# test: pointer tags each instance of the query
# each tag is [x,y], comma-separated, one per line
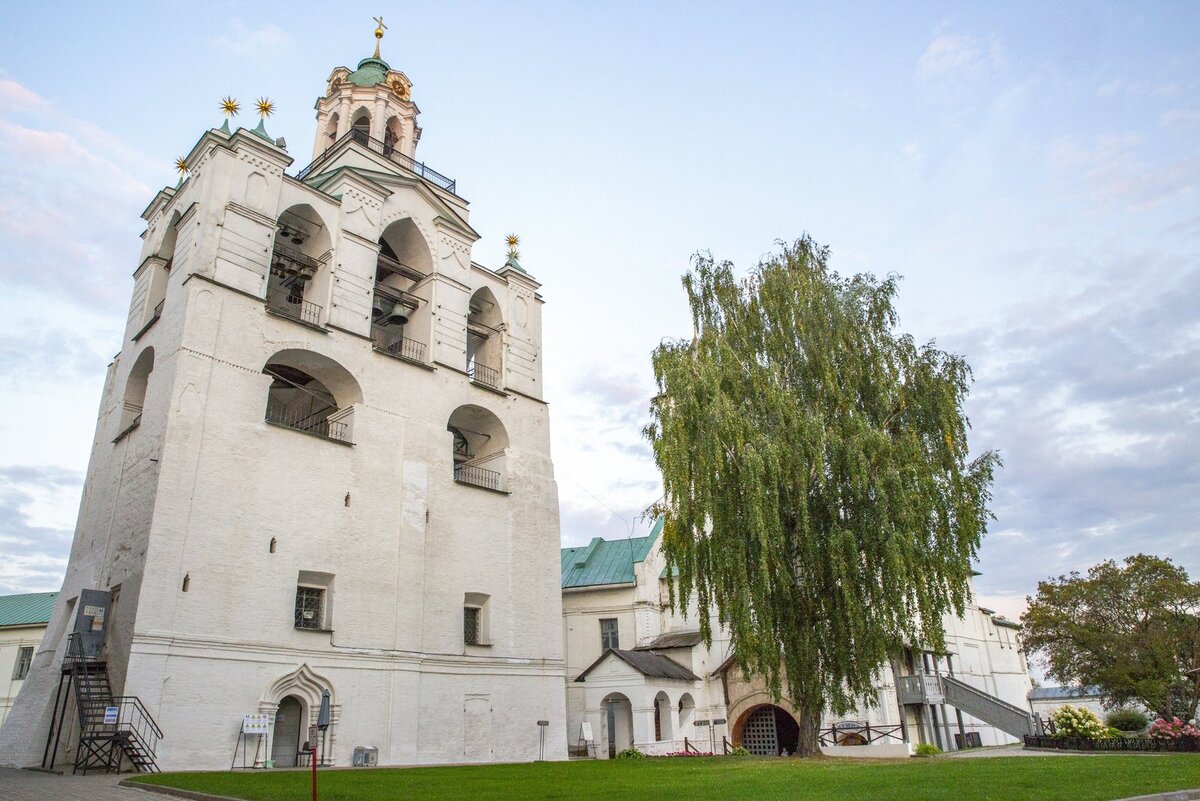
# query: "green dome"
[370,72]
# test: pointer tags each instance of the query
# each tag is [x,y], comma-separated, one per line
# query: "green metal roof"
[370,72]
[604,561]
[30,609]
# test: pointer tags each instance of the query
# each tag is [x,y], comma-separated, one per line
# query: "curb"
[175,792]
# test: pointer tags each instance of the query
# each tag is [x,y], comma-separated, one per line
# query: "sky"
[1032,170]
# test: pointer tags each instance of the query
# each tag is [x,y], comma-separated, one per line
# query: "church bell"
[397,316]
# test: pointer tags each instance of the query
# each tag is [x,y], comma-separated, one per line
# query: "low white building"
[638,674]
[23,621]
[321,468]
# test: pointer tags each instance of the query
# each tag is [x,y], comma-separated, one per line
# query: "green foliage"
[739,751]
[1127,720]
[1132,629]
[1062,778]
[1072,721]
[927,750]
[818,490]
[630,753]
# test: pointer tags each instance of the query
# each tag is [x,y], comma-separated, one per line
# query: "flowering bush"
[1172,729]
[630,753]
[1071,721]
[688,753]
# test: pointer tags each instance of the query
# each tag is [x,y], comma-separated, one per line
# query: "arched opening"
[392,134]
[767,730]
[311,393]
[361,127]
[331,129]
[302,244]
[400,316]
[663,730]
[156,291]
[616,720]
[687,714]
[289,731]
[485,346]
[135,392]
[479,444]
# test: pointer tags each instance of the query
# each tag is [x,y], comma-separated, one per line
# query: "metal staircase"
[988,708]
[112,728]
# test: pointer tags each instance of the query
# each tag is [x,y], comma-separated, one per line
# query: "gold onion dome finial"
[379,29]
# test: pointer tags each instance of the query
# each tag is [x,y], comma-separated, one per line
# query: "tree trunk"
[807,744]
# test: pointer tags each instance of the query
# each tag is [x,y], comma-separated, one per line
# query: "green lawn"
[1071,778]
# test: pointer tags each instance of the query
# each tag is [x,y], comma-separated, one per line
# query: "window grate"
[471,632]
[309,603]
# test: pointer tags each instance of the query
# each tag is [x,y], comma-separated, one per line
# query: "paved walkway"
[1014,750]
[32,785]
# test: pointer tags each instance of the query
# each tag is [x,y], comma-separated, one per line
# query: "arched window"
[478,448]
[362,126]
[391,136]
[662,717]
[135,393]
[400,318]
[687,711]
[331,129]
[156,289]
[296,277]
[484,341]
[311,393]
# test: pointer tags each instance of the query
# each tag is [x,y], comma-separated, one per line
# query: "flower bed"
[1117,744]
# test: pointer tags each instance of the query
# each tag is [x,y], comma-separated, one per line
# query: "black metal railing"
[1126,744]
[385,149]
[484,375]
[309,422]
[860,734]
[474,475]
[404,348]
[283,301]
[281,255]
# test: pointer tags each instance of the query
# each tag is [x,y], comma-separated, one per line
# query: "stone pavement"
[1014,750]
[31,785]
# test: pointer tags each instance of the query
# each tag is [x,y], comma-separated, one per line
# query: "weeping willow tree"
[818,489]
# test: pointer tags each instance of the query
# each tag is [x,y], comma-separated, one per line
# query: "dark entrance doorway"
[769,731]
[286,737]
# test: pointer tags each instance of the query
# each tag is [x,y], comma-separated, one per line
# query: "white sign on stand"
[585,732]
[256,724]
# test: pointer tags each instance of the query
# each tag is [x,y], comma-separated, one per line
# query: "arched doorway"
[616,713]
[288,729]
[768,730]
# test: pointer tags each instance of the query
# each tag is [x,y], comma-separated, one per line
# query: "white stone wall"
[12,640]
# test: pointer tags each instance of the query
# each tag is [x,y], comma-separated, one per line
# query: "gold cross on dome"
[378,33]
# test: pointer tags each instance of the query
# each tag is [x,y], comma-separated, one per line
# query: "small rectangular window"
[608,633]
[24,660]
[310,604]
[471,627]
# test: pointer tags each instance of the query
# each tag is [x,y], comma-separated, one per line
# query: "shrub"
[1172,729]
[739,751]
[1126,720]
[630,753]
[927,750]
[1071,721]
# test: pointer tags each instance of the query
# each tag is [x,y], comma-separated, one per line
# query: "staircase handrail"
[135,703]
[1018,721]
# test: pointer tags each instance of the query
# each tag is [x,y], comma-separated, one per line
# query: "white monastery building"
[321,465]
[22,624]
[638,675]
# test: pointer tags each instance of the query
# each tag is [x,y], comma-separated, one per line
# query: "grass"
[1078,778]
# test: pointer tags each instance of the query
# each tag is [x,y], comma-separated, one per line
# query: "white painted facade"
[204,518]
[986,653]
[16,643]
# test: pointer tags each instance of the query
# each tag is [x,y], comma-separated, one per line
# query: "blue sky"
[1032,170]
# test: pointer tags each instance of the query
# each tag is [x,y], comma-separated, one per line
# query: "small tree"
[818,491]
[1133,630]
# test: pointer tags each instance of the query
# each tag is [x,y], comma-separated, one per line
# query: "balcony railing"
[483,375]
[309,422]
[282,301]
[923,688]
[476,476]
[412,165]
[405,348]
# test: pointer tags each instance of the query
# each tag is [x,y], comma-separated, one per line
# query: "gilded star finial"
[229,106]
[379,29]
[265,107]
[181,166]
[512,240]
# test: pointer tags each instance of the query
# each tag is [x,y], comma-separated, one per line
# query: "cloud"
[1115,168]
[34,537]
[245,42]
[959,56]
[1179,117]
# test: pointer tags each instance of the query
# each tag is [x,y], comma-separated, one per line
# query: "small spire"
[511,263]
[230,108]
[379,29]
[265,107]
[182,166]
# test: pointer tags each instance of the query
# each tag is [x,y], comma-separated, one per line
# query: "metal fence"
[476,476]
[1116,744]
[386,149]
[482,374]
[308,422]
[282,301]
[405,348]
